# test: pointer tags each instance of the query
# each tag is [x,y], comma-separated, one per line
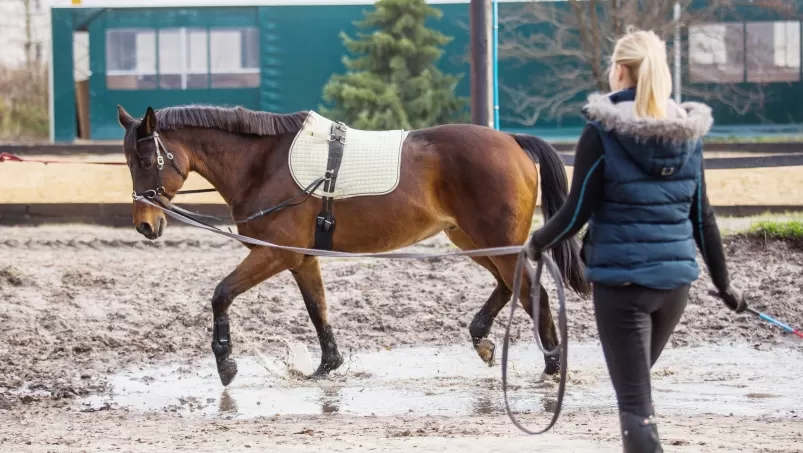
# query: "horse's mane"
[237,120]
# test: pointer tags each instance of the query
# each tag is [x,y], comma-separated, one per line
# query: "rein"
[522,265]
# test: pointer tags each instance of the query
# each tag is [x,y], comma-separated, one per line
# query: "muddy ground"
[81,303]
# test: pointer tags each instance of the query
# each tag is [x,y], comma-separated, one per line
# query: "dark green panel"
[181,17]
[274,59]
[65,124]
[304,45]
[97,78]
[456,55]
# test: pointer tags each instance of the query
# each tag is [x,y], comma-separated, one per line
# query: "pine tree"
[394,82]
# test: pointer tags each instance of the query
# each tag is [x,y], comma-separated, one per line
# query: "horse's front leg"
[260,264]
[309,280]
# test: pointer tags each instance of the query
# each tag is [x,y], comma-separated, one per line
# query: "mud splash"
[723,380]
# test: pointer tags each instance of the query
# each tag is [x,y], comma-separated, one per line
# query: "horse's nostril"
[145,229]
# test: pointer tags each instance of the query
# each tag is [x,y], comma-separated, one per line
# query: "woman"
[639,183]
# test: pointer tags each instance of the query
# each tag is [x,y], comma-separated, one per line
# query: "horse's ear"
[123,117]
[149,121]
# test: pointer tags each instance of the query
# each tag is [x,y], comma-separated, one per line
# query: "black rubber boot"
[639,434]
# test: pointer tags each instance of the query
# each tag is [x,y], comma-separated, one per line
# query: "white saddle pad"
[371,161]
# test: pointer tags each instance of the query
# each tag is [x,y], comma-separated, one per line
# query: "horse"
[476,184]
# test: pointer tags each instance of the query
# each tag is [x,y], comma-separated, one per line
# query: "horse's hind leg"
[309,281]
[259,265]
[503,268]
[481,325]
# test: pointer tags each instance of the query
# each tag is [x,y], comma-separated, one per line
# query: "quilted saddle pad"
[371,162]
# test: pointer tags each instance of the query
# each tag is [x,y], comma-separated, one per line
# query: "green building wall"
[300,49]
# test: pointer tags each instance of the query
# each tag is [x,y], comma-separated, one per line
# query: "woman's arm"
[706,234]
[585,193]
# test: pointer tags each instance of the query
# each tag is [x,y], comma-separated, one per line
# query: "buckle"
[333,138]
[325,223]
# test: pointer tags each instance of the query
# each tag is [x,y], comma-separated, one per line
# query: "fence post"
[481,63]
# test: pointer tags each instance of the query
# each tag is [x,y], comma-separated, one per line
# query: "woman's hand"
[734,299]
[533,251]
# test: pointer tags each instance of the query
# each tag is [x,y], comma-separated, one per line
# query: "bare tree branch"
[572,41]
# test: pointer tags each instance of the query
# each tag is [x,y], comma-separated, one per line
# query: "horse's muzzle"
[147,230]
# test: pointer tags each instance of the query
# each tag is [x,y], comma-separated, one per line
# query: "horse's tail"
[554,191]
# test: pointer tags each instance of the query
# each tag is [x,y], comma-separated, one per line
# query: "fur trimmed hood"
[684,122]
[653,144]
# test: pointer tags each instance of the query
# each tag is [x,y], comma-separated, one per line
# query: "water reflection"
[227,403]
[483,404]
[330,401]
[549,404]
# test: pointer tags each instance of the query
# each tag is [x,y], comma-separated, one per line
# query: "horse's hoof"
[227,369]
[327,366]
[486,349]
[552,365]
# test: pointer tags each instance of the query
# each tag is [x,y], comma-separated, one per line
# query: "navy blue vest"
[641,233]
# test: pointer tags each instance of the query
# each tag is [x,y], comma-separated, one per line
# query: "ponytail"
[646,53]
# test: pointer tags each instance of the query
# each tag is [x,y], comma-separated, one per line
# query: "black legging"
[634,324]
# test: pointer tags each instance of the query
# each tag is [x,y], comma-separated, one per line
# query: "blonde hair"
[643,54]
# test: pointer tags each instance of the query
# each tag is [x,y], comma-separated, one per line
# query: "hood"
[657,146]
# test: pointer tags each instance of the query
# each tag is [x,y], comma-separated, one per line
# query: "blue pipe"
[496,62]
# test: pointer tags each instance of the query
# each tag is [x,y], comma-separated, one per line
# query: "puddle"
[452,381]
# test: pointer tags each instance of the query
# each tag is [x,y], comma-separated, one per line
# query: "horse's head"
[155,170]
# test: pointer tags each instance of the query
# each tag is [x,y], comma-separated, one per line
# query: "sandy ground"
[37,183]
[576,433]
[81,303]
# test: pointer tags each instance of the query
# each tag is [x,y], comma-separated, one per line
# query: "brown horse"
[476,184]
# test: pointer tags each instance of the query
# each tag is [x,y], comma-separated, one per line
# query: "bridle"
[160,163]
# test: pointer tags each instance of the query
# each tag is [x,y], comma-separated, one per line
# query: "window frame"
[185,70]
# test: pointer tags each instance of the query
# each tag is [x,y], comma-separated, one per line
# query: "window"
[197,61]
[130,59]
[170,66]
[234,55]
[182,59]
[773,51]
[186,58]
[716,53]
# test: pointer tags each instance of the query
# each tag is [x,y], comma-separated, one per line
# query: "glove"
[733,298]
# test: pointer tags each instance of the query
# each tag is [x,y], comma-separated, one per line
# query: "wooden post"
[481,64]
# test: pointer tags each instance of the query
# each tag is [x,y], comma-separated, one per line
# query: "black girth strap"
[325,223]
